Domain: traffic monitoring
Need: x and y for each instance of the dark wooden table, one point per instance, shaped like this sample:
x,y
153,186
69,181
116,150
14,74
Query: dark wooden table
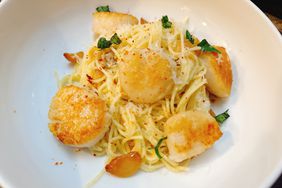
x,y
273,9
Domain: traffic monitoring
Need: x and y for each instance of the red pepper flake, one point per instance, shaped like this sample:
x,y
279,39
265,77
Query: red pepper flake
x,y
198,52
214,54
213,98
131,144
89,79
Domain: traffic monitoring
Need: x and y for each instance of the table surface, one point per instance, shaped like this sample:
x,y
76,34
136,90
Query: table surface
x,y
273,9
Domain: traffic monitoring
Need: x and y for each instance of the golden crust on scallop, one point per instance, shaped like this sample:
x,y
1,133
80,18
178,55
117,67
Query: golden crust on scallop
x,y
106,23
219,72
190,133
77,117
145,76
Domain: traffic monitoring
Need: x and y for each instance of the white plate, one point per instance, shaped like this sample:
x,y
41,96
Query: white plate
x,y
33,36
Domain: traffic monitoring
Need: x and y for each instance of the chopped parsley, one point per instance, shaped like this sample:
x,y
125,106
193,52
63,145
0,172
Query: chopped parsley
x,y
165,22
206,47
115,39
189,37
104,43
103,8
220,118
157,147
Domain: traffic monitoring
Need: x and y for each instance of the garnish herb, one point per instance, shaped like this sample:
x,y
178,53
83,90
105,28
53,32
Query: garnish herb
x,y
220,118
157,147
89,79
103,8
206,47
104,43
189,37
115,39
165,22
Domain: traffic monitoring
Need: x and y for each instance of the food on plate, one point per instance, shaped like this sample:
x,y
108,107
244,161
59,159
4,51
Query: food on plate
x,y
125,165
190,133
78,117
143,21
219,72
73,57
106,23
145,76
141,94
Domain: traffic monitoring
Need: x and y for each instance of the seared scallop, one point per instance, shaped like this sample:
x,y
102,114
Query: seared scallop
x,y
219,72
145,76
106,23
190,134
77,117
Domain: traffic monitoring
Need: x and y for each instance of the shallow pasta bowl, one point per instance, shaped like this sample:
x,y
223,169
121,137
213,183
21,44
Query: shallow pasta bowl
x,y
35,34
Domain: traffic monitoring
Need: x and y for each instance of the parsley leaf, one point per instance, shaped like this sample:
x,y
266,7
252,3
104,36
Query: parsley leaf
x,y
103,8
206,47
115,39
104,43
165,22
157,147
220,118
189,37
